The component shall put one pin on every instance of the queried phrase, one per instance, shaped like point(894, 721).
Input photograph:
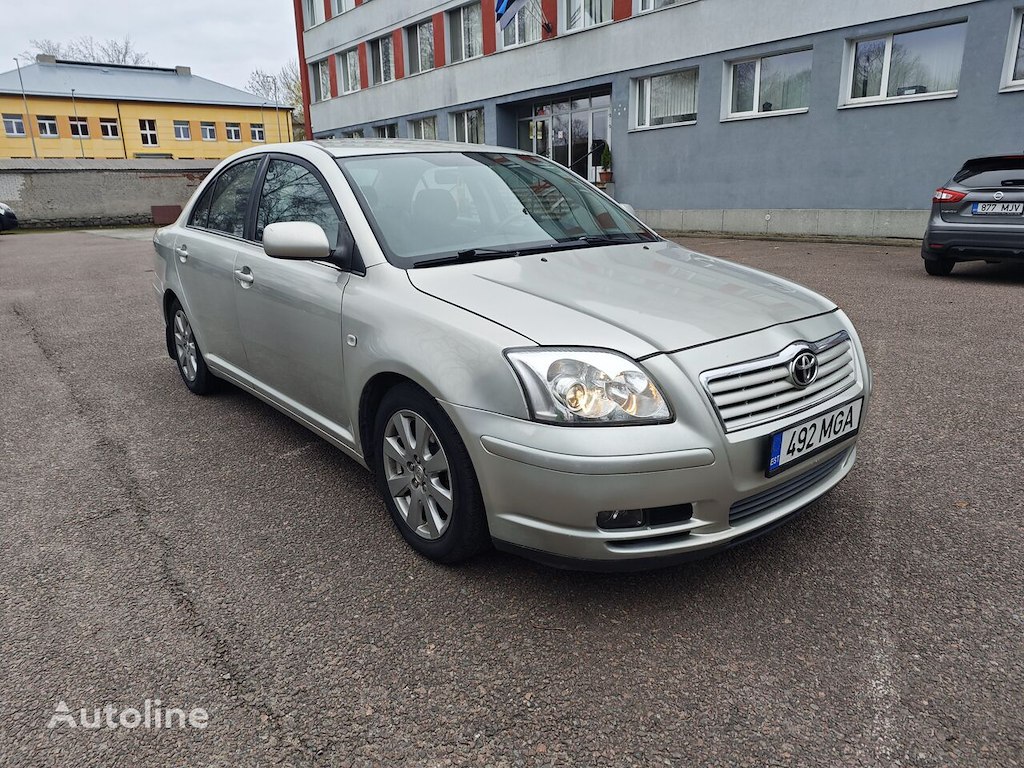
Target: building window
point(79, 127)
point(465, 32)
point(424, 128)
point(182, 130)
point(313, 12)
point(109, 128)
point(349, 71)
point(524, 27)
point(580, 14)
point(147, 128)
point(925, 61)
point(382, 60)
point(469, 126)
point(669, 99)
point(343, 6)
point(654, 5)
point(770, 84)
point(14, 125)
point(420, 47)
point(320, 82)
point(351, 134)
point(389, 131)
point(48, 126)
point(233, 131)
point(256, 132)
point(208, 131)
point(1014, 74)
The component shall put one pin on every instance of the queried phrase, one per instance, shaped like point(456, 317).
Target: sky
point(223, 40)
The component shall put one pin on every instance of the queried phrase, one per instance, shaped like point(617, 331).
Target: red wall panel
point(622, 9)
point(396, 45)
point(490, 26)
point(439, 49)
point(364, 69)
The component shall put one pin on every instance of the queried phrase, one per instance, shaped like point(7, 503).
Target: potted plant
point(605, 174)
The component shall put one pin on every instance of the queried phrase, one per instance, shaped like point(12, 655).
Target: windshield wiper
point(482, 254)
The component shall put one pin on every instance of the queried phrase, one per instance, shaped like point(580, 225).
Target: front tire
point(426, 477)
point(187, 355)
point(939, 267)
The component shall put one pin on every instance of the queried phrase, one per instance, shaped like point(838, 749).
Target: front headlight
point(587, 386)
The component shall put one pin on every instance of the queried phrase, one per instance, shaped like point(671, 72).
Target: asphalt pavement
point(213, 555)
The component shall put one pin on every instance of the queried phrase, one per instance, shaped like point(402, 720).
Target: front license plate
point(804, 440)
point(997, 209)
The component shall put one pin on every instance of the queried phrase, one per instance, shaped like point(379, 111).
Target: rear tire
point(187, 355)
point(426, 477)
point(939, 267)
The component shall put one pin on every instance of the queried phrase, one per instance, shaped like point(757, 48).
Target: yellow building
point(66, 109)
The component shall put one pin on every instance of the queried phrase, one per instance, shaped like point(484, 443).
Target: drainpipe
point(28, 117)
point(120, 128)
point(81, 142)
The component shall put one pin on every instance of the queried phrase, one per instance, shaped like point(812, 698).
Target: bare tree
point(281, 87)
point(88, 48)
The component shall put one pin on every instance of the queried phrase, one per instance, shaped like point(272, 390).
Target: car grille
point(760, 391)
point(780, 494)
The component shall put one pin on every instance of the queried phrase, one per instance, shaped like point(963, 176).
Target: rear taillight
point(943, 195)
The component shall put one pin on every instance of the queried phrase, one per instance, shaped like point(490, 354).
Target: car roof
point(359, 147)
point(992, 161)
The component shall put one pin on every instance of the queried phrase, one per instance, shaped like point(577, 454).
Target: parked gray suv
point(977, 215)
point(515, 356)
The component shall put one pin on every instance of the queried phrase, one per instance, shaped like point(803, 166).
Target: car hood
point(638, 298)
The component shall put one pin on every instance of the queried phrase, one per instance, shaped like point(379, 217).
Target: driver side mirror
point(302, 240)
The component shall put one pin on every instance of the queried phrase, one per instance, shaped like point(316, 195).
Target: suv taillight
point(943, 195)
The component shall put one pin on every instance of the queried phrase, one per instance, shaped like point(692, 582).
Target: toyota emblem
point(998, 195)
point(803, 370)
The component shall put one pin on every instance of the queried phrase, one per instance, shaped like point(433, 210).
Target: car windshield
point(442, 206)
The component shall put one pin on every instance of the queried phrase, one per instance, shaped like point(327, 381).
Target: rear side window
point(200, 216)
point(992, 172)
point(292, 193)
point(230, 198)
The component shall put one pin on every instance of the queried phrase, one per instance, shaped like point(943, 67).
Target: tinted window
point(201, 213)
point(992, 172)
point(231, 197)
point(292, 193)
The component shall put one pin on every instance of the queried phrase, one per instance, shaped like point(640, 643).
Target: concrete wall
point(74, 193)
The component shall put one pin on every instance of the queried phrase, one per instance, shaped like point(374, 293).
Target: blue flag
point(506, 10)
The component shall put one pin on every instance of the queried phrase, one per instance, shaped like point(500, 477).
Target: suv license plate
point(802, 441)
point(997, 209)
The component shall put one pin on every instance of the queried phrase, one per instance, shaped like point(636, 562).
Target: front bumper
point(544, 485)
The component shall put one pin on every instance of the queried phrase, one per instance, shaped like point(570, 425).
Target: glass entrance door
point(573, 132)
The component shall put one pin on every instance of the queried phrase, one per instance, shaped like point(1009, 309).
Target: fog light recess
point(617, 519)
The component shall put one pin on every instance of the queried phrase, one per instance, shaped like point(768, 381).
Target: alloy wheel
point(185, 346)
point(417, 473)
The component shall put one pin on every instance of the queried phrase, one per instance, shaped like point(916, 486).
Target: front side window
point(436, 204)
point(79, 127)
point(925, 61)
point(382, 60)
point(182, 130)
point(233, 131)
point(109, 128)
point(292, 193)
point(771, 84)
point(389, 131)
point(666, 99)
point(524, 27)
point(230, 199)
point(256, 132)
point(208, 131)
point(147, 131)
point(14, 125)
point(424, 128)
point(349, 71)
point(469, 126)
point(421, 47)
point(465, 30)
point(580, 14)
point(48, 126)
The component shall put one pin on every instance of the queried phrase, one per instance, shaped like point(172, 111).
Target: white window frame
point(178, 124)
point(647, 6)
point(464, 117)
point(414, 55)
point(417, 126)
point(847, 101)
point(50, 122)
point(376, 56)
point(208, 126)
point(145, 130)
point(109, 128)
point(342, 6)
point(11, 121)
point(233, 131)
point(312, 13)
point(353, 135)
point(730, 73)
point(77, 124)
point(645, 84)
point(381, 131)
point(502, 45)
point(258, 133)
point(1012, 46)
point(565, 16)
point(343, 67)
point(450, 38)
point(321, 82)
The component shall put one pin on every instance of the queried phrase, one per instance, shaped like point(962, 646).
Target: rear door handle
point(182, 251)
point(245, 277)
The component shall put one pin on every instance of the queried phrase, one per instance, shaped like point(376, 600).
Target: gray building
point(720, 115)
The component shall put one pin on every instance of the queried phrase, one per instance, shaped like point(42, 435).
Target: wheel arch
point(373, 392)
point(168, 299)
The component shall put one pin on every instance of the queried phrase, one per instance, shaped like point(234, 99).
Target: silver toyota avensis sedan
point(516, 358)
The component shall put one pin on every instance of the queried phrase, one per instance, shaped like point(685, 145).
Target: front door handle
point(245, 277)
point(182, 251)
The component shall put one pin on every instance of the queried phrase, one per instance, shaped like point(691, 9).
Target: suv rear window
point(992, 172)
